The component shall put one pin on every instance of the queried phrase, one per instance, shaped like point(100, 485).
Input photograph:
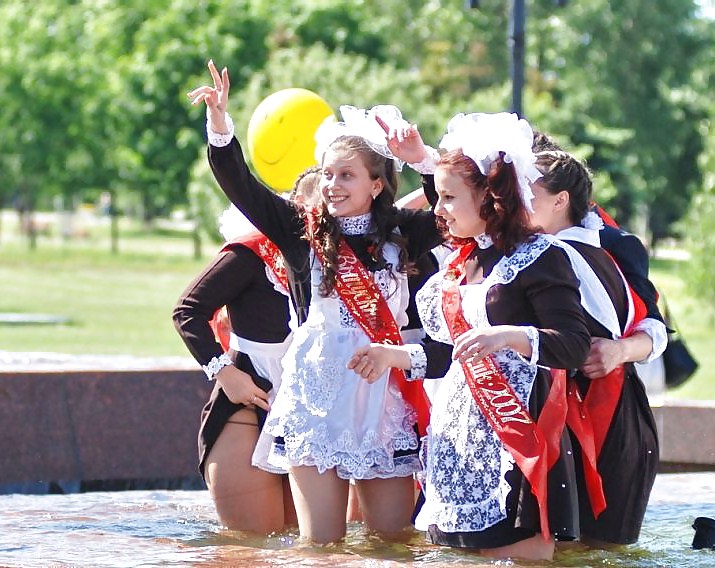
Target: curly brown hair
point(503, 209)
point(327, 232)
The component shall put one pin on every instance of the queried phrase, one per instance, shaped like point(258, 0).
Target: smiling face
point(458, 203)
point(346, 185)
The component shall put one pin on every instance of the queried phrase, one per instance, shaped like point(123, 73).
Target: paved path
point(45, 361)
point(31, 319)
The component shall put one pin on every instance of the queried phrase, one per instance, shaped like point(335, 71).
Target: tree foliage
point(93, 91)
point(627, 66)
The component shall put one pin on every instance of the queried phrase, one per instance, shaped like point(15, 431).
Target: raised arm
point(420, 229)
point(415, 199)
point(275, 217)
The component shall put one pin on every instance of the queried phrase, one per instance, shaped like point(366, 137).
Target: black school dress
point(464, 506)
point(629, 459)
point(258, 312)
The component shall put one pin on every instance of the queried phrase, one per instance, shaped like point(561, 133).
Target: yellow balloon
point(281, 135)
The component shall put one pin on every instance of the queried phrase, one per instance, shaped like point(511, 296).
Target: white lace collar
point(581, 235)
point(484, 241)
point(357, 225)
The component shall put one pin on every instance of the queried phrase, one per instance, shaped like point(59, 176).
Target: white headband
point(482, 137)
point(360, 122)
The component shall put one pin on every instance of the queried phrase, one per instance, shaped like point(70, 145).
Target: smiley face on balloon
point(281, 135)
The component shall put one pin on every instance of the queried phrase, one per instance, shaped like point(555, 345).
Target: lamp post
point(517, 45)
point(517, 25)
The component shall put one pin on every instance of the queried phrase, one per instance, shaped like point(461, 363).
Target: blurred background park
point(107, 206)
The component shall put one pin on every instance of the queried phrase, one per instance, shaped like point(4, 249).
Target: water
point(179, 528)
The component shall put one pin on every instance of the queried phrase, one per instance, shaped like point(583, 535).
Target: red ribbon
point(268, 252)
point(603, 214)
point(498, 402)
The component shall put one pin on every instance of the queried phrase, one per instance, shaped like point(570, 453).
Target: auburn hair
point(503, 208)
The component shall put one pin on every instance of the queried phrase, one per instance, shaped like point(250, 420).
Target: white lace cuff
point(220, 140)
point(658, 333)
point(215, 365)
point(428, 165)
point(418, 362)
point(533, 335)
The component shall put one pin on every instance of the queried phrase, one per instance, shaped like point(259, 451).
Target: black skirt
point(628, 464)
point(219, 409)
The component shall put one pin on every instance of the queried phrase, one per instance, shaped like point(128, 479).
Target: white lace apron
point(464, 460)
point(328, 416)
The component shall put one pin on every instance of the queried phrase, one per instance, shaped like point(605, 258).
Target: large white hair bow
point(234, 224)
point(361, 122)
point(483, 136)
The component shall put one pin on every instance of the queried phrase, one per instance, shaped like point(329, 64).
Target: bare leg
point(320, 502)
point(534, 548)
point(246, 498)
point(387, 504)
point(289, 514)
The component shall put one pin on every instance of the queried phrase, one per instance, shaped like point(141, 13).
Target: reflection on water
point(179, 528)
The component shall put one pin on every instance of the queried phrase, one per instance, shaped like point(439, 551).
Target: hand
point(604, 356)
point(404, 141)
point(372, 361)
point(476, 343)
point(240, 388)
point(216, 98)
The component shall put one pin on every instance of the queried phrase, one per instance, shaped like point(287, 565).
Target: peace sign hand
point(216, 98)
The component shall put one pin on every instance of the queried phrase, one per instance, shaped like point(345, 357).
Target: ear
point(377, 187)
point(562, 201)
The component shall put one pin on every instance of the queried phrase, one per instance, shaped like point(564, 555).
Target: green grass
point(116, 304)
point(121, 304)
point(695, 323)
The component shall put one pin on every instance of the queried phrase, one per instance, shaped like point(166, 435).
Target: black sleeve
point(439, 358)
point(632, 258)
point(553, 292)
point(429, 189)
point(274, 216)
point(229, 275)
point(419, 229)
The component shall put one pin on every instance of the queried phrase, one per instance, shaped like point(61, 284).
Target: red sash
point(268, 252)
point(497, 400)
point(357, 289)
point(271, 257)
point(590, 418)
point(607, 219)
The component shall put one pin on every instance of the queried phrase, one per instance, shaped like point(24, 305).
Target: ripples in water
point(179, 528)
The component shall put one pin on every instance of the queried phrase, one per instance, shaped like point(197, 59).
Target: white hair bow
point(361, 122)
point(483, 137)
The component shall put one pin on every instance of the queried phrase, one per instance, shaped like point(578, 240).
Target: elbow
point(179, 315)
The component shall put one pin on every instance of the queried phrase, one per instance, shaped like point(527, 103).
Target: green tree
point(624, 66)
point(168, 56)
point(46, 73)
point(698, 226)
